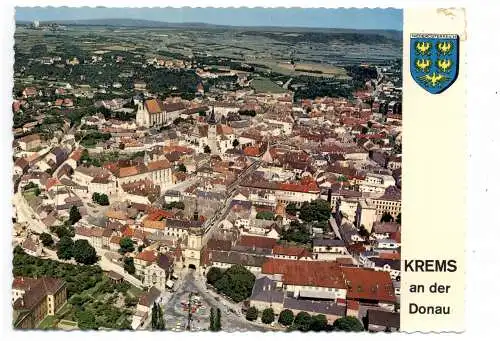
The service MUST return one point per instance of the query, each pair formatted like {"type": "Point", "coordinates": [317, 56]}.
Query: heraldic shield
{"type": "Point", "coordinates": [434, 60]}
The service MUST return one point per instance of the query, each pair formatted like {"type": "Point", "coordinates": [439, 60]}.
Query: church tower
{"type": "Point", "coordinates": [142, 115]}
{"type": "Point", "coordinates": [212, 132]}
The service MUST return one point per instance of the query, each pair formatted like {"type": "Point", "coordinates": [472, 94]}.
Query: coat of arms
{"type": "Point", "coordinates": [434, 60]}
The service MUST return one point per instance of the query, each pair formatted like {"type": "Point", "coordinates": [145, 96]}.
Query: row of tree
{"type": "Point", "coordinates": [305, 321]}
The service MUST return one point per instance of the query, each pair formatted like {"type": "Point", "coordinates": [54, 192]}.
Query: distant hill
{"type": "Point", "coordinates": [140, 23]}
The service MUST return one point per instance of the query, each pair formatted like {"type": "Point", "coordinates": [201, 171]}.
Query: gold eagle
{"type": "Point", "coordinates": [423, 47]}
{"type": "Point", "coordinates": [433, 79]}
{"type": "Point", "coordinates": [444, 65]}
{"type": "Point", "coordinates": [445, 47]}
{"type": "Point", "coordinates": [423, 64]}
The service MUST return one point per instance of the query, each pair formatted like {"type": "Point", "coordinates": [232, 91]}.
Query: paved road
{"type": "Point", "coordinates": [175, 317]}
{"type": "Point", "coordinates": [25, 213]}
{"type": "Point", "coordinates": [223, 209]}
{"type": "Point", "coordinates": [180, 186]}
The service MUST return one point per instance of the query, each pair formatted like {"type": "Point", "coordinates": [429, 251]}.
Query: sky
{"type": "Point", "coordinates": [351, 18]}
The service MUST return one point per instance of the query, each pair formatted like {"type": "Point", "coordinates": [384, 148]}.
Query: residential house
{"type": "Point", "coordinates": [329, 249]}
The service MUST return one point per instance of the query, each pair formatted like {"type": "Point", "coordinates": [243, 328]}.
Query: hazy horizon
{"type": "Point", "coordinates": [352, 18]}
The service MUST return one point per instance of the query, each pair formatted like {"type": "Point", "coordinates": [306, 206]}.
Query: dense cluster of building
{"type": "Point", "coordinates": [218, 182]}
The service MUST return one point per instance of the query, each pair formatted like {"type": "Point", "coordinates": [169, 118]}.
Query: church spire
{"type": "Point", "coordinates": [211, 118]}
{"type": "Point", "coordinates": [267, 157]}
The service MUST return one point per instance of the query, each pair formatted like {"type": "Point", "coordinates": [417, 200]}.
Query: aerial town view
{"type": "Point", "coordinates": [205, 177]}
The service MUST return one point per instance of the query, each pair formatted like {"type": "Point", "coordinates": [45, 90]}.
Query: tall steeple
{"type": "Point", "coordinates": [211, 119]}
{"type": "Point", "coordinates": [267, 157]}
{"type": "Point", "coordinates": [196, 214]}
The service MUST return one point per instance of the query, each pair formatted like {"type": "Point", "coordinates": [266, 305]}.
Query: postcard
{"type": "Point", "coordinates": [238, 169]}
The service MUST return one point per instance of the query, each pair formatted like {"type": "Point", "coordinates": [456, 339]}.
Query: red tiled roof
{"type": "Point", "coordinates": [153, 106]}
{"type": "Point", "coordinates": [251, 151]}
{"type": "Point", "coordinates": [367, 284]}
{"type": "Point", "coordinates": [305, 188]}
{"type": "Point", "coordinates": [306, 273]}
{"type": "Point", "coordinates": [128, 171]}
{"type": "Point", "coordinates": [257, 242]}
{"type": "Point", "coordinates": [148, 256]}
{"type": "Point", "coordinates": [128, 232]}
{"type": "Point", "coordinates": [160, 164]}
{"type": "Point", "coordinates": [294, 251]}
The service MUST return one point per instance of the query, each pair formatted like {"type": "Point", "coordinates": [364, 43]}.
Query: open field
{"type": "Point", "coordinates": [266, 85]}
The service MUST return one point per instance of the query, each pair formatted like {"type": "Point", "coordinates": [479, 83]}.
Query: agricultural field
{"type": "Point", "coordinates": [266, 85]}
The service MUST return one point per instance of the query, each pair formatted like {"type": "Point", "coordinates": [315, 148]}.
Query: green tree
{"type": "Point", "coordinates": [316, 210]}
{"type": "Point", "coordinates": [215, 323]}
{"type": "Point", "coordinates": [236, 282]}
{"type": "Point", "coordinates": [128, 265]}
{"type": "Point", "coordinates": [84, 253]}
{"type": "Point", "coordinates": [160, 318]}
{"type": "Point", "coordinates": [297, 233]}
{"type": "Point", "coordinates": [46, 239]}
{"type": "Point", "coordinates": [154, 317]}
{"type": "Point", "coordinates": [217, 320]}
{"type": "Point", "coordinates": [103, 200]}
{"type": "Point", "coordinates": [62, 231]}
{"type": "Point", "coordinates": [126, 245]}
{"type": "Point", "coordinates": [267, 215]}
{"type": "Point", "coordinates": [302, 321]}
{"type": "Point", "coordinates": [65, 248]}
{"type": "Point", "coordinates": [207, 150]}
{"type": "Point", "coordinates": [181, 168]}
{"type": "Point", "coordinates": [131, 301]}
{"type": "Point", "coordinates": [74, 215]}
{"type": "Point", "coordinates": [213, 275]}
{"type": "Point", "coordinates": [77, 301]}
{"type": "Point", "coordinates": [348, 324]}
{"type": "Point", "coordinates": [252, 314]}
{"type": "Point", "coordinates": [387, 217]}
{"type": "Point", "coordinates": [291, 208]}
{"type": "Point", "coordinates": [211, 326]}
{"type": "Point", "coordinates": [319, 322]}
{"type": "Point", "coordinates": [37, 191]}
{"type": "Point", "coordinates": [86, 320]}
{"type": "Point", "coordinates": [267, 316]}
{"type": "Point", "coordinates": [286, 317]}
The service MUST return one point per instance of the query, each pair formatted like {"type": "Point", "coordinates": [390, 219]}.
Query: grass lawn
{"type": "Point", "coordinates": [48, 322]}
{"type": "Point", "coordinates": [29, 194]}
{"type": "Point", "coordinates": [266, 85]}
{"type": "Point", "coordinates": [134, 291]}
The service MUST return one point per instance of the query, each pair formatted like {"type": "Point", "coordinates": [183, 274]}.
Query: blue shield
{"type": "Point", "coordinates": [434, 60]}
